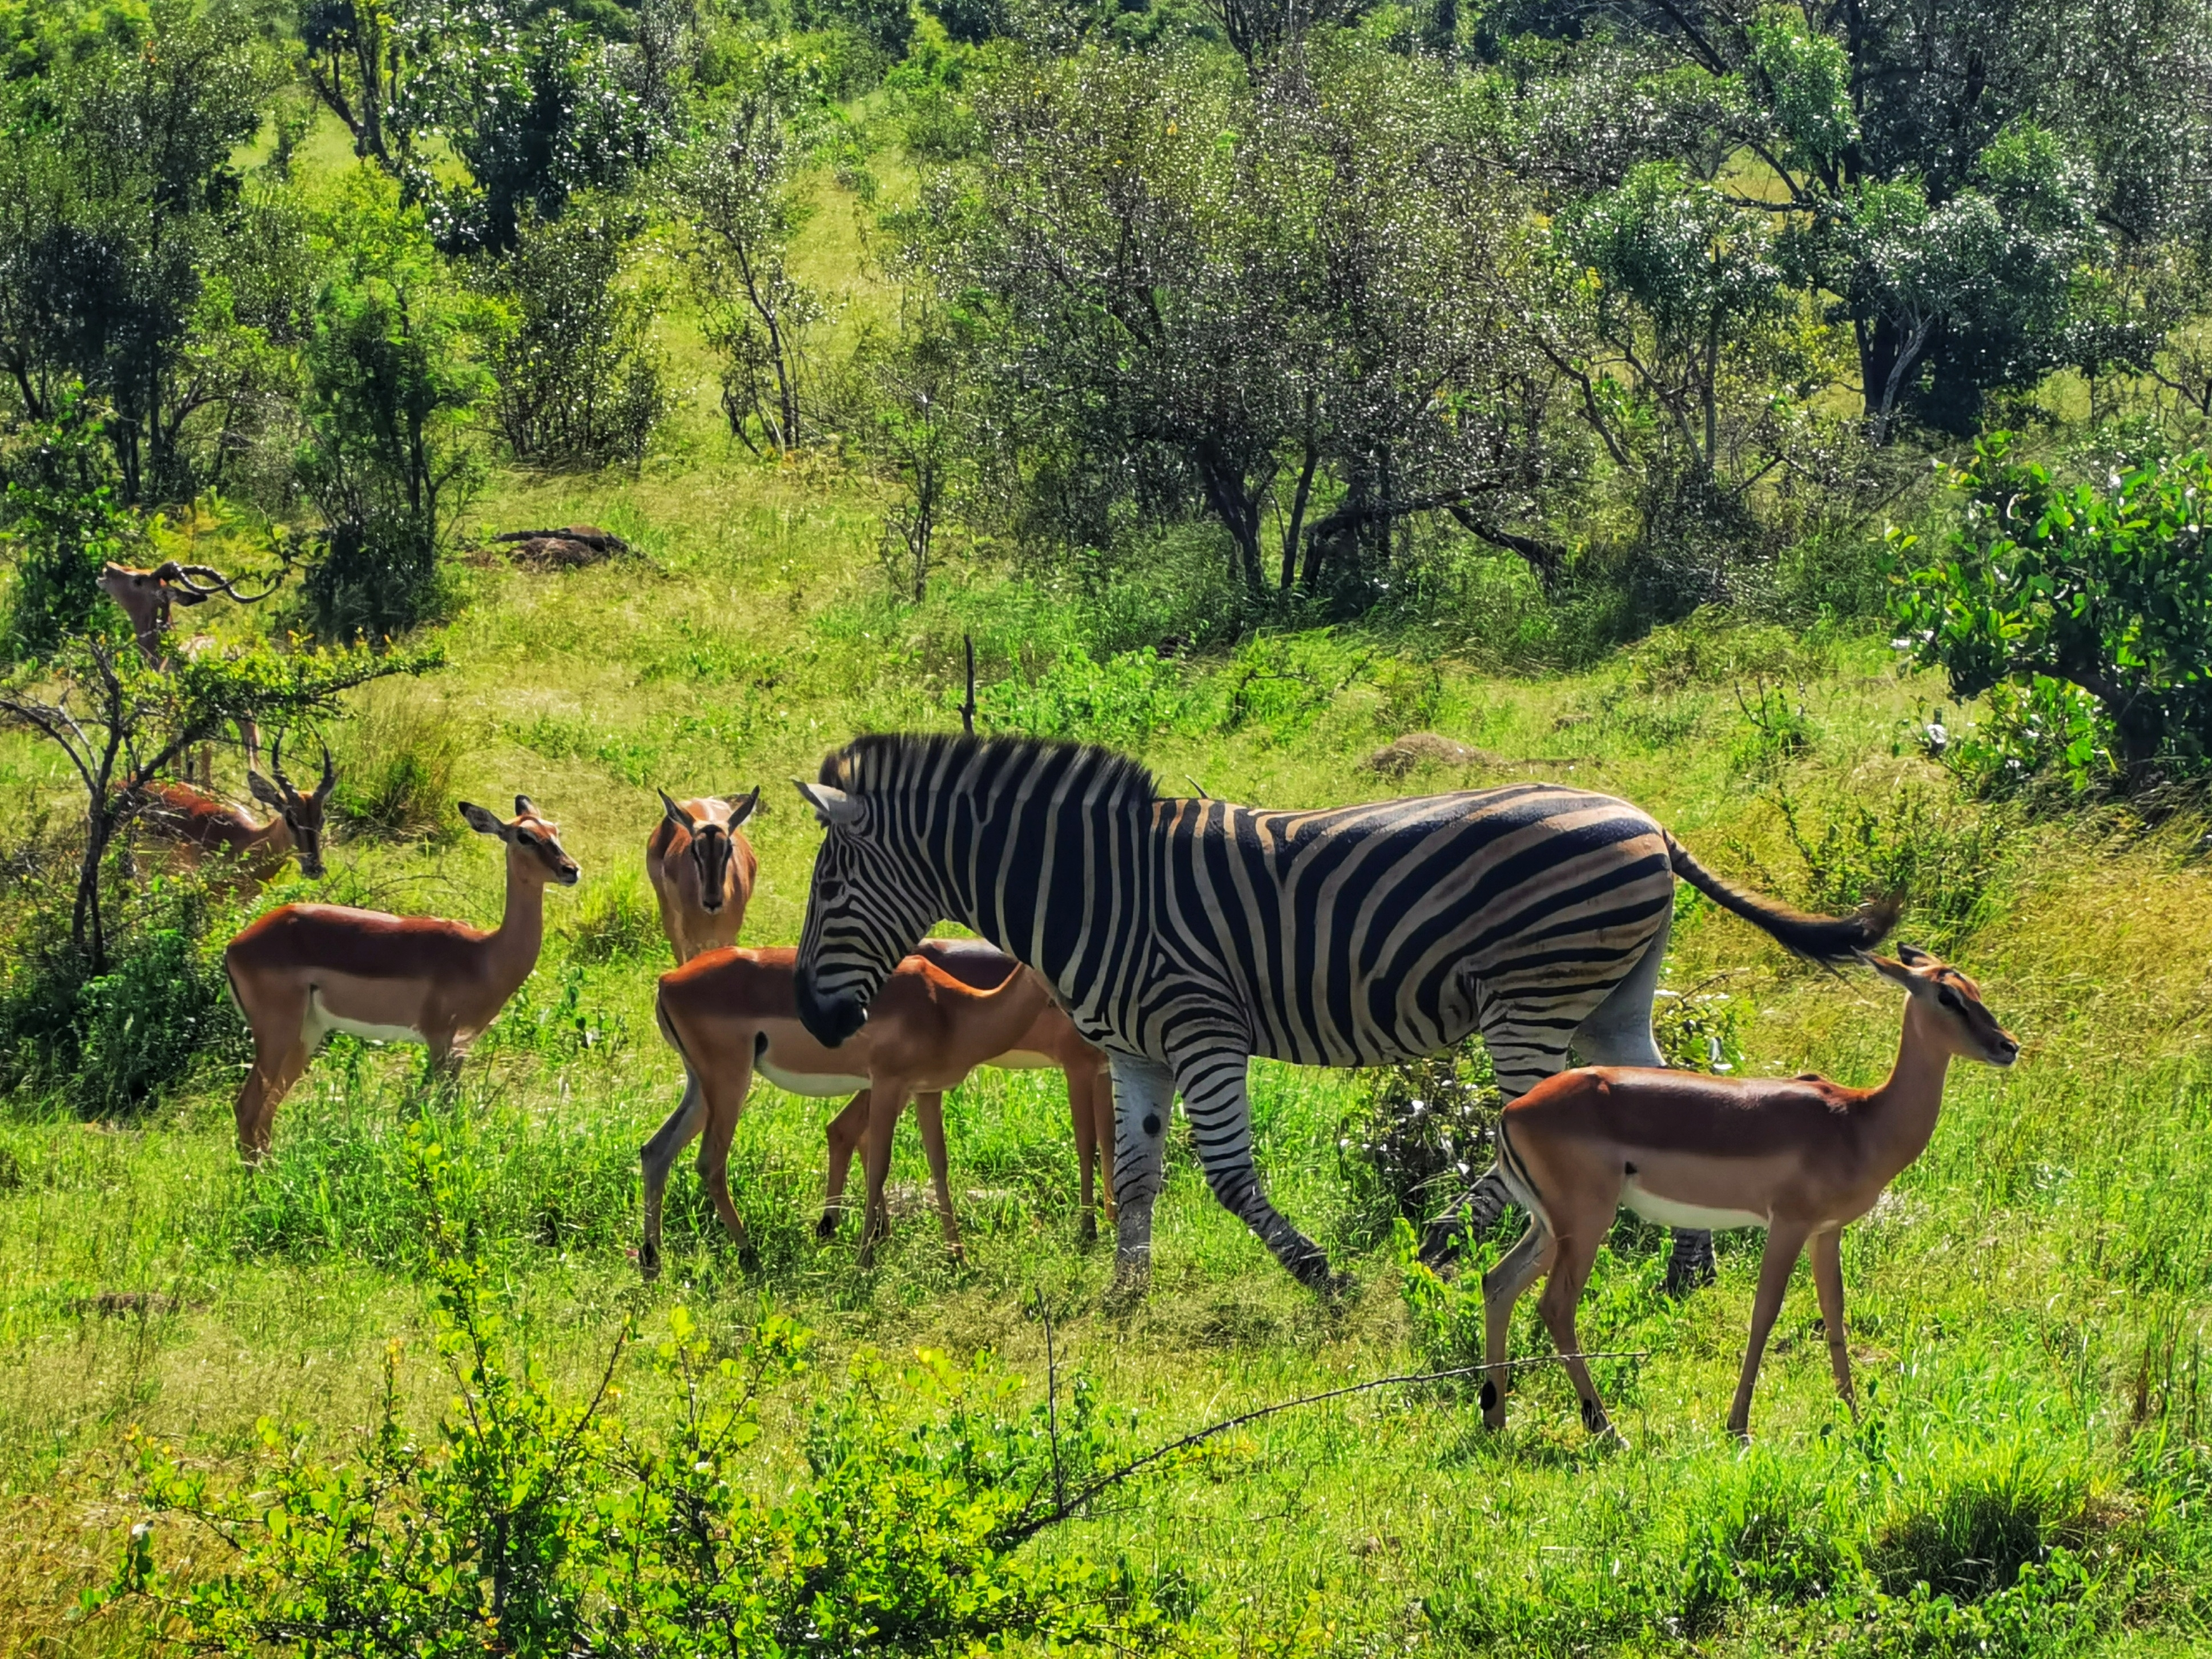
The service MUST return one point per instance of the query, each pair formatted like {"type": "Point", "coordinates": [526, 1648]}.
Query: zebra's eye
{"type": "Point", "coordinates": [833, 892]}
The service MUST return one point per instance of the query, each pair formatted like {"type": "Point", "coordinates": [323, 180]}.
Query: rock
{"type": "Point", "coordinates": [564, 549]}
{"type": "Point", "coordinates": [1417, 748]}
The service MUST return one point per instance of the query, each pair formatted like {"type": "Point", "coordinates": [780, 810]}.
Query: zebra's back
{"type": "Point", "coordinates": [1367, 933]}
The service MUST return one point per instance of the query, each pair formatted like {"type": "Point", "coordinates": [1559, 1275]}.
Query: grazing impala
{"type": "Point", "coordinates": [199, 827]}
{"type": "Point", "coordinates": [1799, 1156]}
{"type": "Point", "coordinates": [701, 871]}
{"type": "Point", "coordinates": [730, 1013]}
{"type": "Point", "coordinates": [1052, 1040]}
{"type": "Point", "coordinates": [304, 970]}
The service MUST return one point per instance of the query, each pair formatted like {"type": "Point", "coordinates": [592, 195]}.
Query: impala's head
{"type": "Point", "coordinates": [1951, 1005]}
{"type": "Point", "coordinates": [144, 597]}
{"type": "Point", "coordinates": [712, 831]}
{"type": "Point", "coordinates": [302, 814]}
{"type": "Point", "coordinates": [533, 844]}
{"type": "Point", "coordinates": [864, 912]}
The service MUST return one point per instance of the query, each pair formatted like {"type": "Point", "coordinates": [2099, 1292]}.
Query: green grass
{"type": "Point", "coordinates": [2027, 1308]}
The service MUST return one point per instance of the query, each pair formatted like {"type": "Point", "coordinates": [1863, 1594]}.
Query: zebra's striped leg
{"type": "Point", "coordinates": [1220, 1111]}
{"type": "Point", "coordinates": [1523, 1051]}
{"type": "Point", "coordinates": [1144, 1090]}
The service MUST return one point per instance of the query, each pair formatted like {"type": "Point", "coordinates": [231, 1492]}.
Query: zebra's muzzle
{"type": "Point", "coordinates": [827, 1022]}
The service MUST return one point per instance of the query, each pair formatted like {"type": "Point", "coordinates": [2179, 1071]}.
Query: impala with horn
{"type": "Point", "coordinates": [145, 596]}
{"type": "Point", "coordinates": [729, 1014]}
{"type": "Point", "coordinates": [305, 970]}
{"type": "Point", "coordinates": [197, 826]}
{"type": "Point", "coordinates": [1800, 1156]}
{"type": "Point", "coordinates": [702, 870]}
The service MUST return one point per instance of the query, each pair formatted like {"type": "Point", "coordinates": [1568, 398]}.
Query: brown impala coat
{"type": "Point", "coordinates": [305, 970]}
{"type": "Point", "coordinates": [729, 1013]}
{"type": "Point", "coordinates": [1800, 1156]}
{"type": "Point", "coordinates": [702, 872]}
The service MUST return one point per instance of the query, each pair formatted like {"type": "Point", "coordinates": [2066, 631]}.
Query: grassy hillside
{"type": "Point", "coordinates": [2027, 1308]}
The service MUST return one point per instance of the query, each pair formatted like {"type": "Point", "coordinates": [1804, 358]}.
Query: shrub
{"type": "Point", "coordinates": [1121, 703]}
{"type": "Point", "coordinates": [581, 380]}
{"type": "Point", "coordinates": [1976, 1526]}
{"type": "Point", "coordinates": [398, 755]}
{"type": "Point", "coordinates": [62, 516]}
{"type": "Point", "coordinates": [1424, 1135]}
{"type": "Point", "coordinates": [2104, 586]}
{"type": "Point", "coordinates": [1947, 864]}
{"type": "Point", "coordinates": [538, 1526]}
{"type": "Point", "coordinates": [117, 1041]}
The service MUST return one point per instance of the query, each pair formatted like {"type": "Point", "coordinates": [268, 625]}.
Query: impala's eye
{"type": "Point", "coordinates": [1951, 999]}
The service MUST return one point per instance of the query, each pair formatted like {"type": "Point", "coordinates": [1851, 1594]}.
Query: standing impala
{"type": "Point", "coordinates": [1798, 1155]}
{"type": "Point", "coordinates": [201, 827]}
{"type": "Point", "coordinates": [304, 970]}
{"type": "Point", "coordinates": [731, 1013]}
{"type": "Point", "coordinates": [701, 871]}
{"type": "Point", "coordinates": [1051, 1041]}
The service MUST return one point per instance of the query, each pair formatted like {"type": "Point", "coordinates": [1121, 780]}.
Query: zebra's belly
{"type": "Point", "coordinates": [1693, 1218]}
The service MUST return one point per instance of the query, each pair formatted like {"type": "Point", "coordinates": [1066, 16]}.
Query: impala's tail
{"type": "Point", "coordinates": [1824, 938]}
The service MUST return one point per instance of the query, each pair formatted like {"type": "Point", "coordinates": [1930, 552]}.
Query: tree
{"type": "Point", "coordinates": [1977, 184]}
{"type": "Point", "coordinates": [120, 214]}
{"type": "Point", "coordinates": [2105, 585]}
{"type": "Point", "coordinates": [580, 382]}
{"type": "Point", "coordinates": [122, 722]}
{"type": "Point", "coordinates": [740, 200]}
{"type": "Point", "coordinates": [912, 422]}
{"type": "Point", "coordinates": [1287, 299]}
{"type": "Point", "coordinates": [394, 382]}
{"type": "Point", "coordinates": [63, 514]}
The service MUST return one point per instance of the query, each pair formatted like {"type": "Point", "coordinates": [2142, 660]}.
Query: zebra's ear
{"type": "Point", "coordinates": [837, 809]}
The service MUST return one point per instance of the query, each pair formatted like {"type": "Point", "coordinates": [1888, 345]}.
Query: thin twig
{"type": "Point", "coordinates": [1114, 1477]}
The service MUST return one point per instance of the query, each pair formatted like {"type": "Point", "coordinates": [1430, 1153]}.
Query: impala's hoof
{"type": "Point", "coordinates": [1086, 1230]}
{"type": "Point", "coordinates": [826, 1228]}
{"type": "Point", "coordinates": [748, 1258]}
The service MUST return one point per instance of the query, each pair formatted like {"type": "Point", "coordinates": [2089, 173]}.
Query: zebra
{"type": "Point", "coordinates": [1186, 936]}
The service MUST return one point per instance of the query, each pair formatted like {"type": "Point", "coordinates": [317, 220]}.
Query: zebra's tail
{"type": "Point", "coordinates": [1824, 938]}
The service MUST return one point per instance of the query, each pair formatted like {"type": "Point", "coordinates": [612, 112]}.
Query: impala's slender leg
{"type": "Point", "coordinates": [889, 1100]}
{"type": "Point", "coordinates": [1828, 1280]}
{"type": "Point", "coordinates": [726, 1104]}
{"type": "Point", "coordinates": [1571, 1261]}
{"type": "Point", "coordinates": [1082, 1115]}
{"type": "Point", "coordinates": [845, 1132]}
{"type": "Point", "coordinates": [658, 1156]}
{"type": "Point", "coordinates": [929, 1113]}
{"type": "Point", "coordinates": [1143, 1091]}
{"type": "Point", "coordinates": [1220, 1112]}
{"type": "Point", "coordinates": [283, 1046]}
{"type": "Point", "coordinates": [1784, 1242]}
{"type": "Point", "coordinates": [1503, 1286]}
{"type": "Point", "coordinates": [1102, 1133]}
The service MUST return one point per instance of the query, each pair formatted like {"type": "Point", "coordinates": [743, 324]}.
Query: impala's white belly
{"type": "Point", "coordinates": [820, 1085]}
{"type": "Point", "coordinates": [321, 1020]}
{"type": "Point", "coordinates": [1022, 1060]}
{"type": "Point", "coordinates": [1695, 1217]}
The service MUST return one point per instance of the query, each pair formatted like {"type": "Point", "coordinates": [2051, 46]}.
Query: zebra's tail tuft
{"type": "Point", "coordinates": [1832, 940]}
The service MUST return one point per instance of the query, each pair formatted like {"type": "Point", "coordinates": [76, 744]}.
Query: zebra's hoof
{"type": "Point", "coordinates": [649, 1262]}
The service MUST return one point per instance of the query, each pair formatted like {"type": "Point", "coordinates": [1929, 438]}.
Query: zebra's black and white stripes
{"type": "Point", "coordinates": [1186, 936]}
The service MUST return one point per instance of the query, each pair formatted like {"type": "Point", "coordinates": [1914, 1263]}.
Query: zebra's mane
{"type": "Point", "coordinates": [889, 760]}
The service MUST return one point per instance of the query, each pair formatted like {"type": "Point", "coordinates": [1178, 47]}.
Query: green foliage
{"type": "Point", "coordinates": [1945, 864]}
{"type": "Point", "coordinates": [543, 1527]}
{"type": "Point", "coordinates": [582, 383]}
{"type": "Point", "coordinates": [398, 755]}
{"type": "Point", "coordinates": [63, 514]}
{"type": "Point", "coordinates": [157, 1016]}
{"type": "Point", "coordinates": [1121, 703]}
{"type": "Point", "coordinates": [2103, 585]}
{"type": "Point", "coordinates": [393, 383]}
{"type": "Point", "coordinates": [1420, 1139]}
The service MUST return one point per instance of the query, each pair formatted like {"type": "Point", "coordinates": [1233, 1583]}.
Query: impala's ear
{"type": "Point", "coordinates": [1913, 956]}
{"type": "Point", "coordinates": [265, 791]}
{"type": "Point", "coordinates": [1896, 972]}
{"type": "Point", "coordinates": [677, 816]}
{"type": "Point", "coordinates": [741, 806]}
{"type": "Point", "coordinates": [525, 809]}
{"type": "Point", "coordinates": [837, 809]}
{"type": "Point", "coordinates": [483, 820]}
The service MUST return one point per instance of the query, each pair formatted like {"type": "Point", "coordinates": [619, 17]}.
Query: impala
{"type": "Point", "coordinates": [1051, 1041]}
{"type": "Point", "coordinates": [145, 596]}
{"type": "Point", "coordinates": [1800, 1156]}
{"type": "Point", "coordinates": [701, 871]}
{"type": "Point", "coordinates": [199, 826]}
{"type": "Point", "coordinates": [304, 970]}
{"type": "Point", "coordinates": [730, 1013]}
